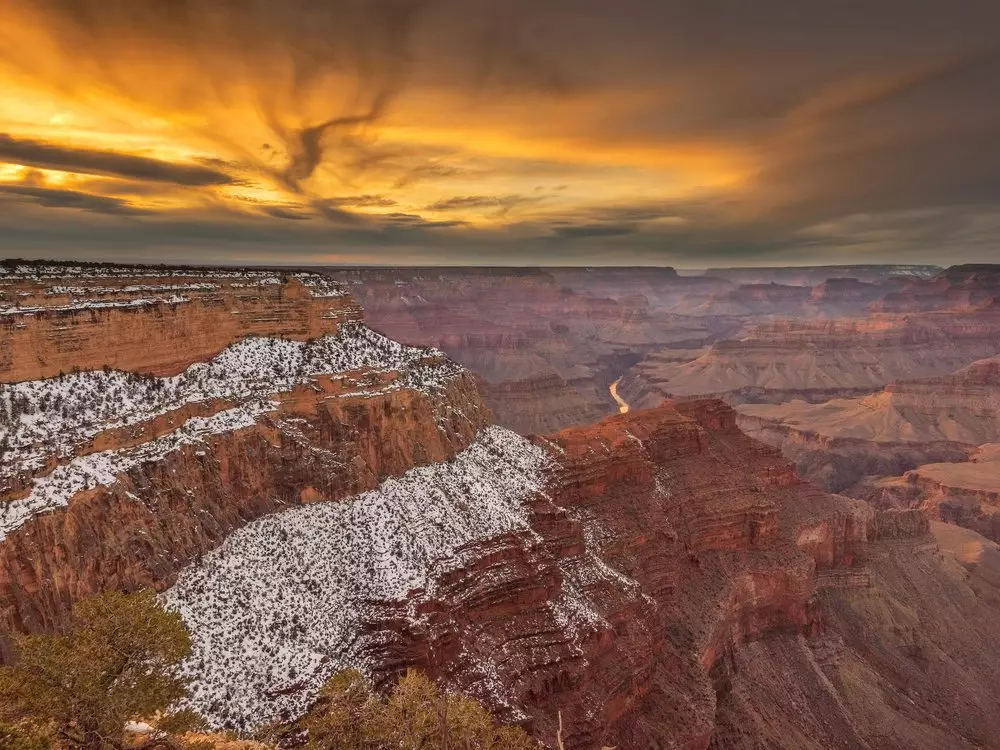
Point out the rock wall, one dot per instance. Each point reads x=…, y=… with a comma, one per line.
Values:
x=658, y=579
x=156, y=322
x=910, y=423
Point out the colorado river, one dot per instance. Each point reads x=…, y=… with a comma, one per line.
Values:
x=622, y=403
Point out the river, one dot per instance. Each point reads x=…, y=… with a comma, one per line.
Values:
x=622, y=403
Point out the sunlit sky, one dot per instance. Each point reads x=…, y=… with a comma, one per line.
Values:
x=551, y=131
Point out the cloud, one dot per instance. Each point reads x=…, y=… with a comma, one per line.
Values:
x=503, y=203
x=331, y=211
x=280, y=212
x=363, y=201
x=674, y=130
x=73, y=199
x=584, y=231
x=31, y=153
x=414, y=221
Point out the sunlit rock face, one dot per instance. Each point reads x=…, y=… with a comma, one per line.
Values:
x=910, y=422
x=132, y=474
x=314, y=495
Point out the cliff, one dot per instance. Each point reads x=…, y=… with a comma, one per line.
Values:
x=659, y=578
x=909, y=423
x=113, y=478
x=602, y=573
x=60, y=318
x=819, y=360
x=966, y=494
x=546, y=342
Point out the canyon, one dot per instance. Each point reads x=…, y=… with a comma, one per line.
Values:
x=596, y=495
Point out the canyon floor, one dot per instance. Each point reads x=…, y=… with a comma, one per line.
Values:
x=739, y=508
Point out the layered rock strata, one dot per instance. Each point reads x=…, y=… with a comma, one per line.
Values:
x=816, y=361
x=118, y=479
x=909, y=423
x=56, y=319
x=658, y=579
x=966, y=494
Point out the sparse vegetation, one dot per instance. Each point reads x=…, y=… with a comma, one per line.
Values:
x=415, y=716
x=79, y=689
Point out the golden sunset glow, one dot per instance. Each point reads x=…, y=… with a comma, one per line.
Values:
x=411, y=124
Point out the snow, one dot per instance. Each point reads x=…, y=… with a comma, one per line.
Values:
x=284, y=601
x=173, y=299
x=290, y=599
x=83, y=291
x=43, y=271
x=55, y=489
x=55, y=416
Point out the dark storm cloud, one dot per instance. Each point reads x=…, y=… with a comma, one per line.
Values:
x=583, y=231
x=500, y=203
x=363, y=201
x=72, y=199
x=353, y=57
x=414, y=221
x=88, y=161
x=332, y=212
x=278, y=212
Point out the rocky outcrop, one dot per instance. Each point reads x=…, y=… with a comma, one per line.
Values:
x=819, y=360
x=602, y=573
x=546, y=342
x=909, y=423
x=966, y=494
x=113, y=479
x=907, y=661
x=159, y=515
x=155, y=321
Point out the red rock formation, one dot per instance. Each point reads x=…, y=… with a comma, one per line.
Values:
x=151, y=324
x=966, y=493
x=911, y=422
x=547, y=342
x=162, y=515
x=819, y=360
x=715, y=544
x=668, y=582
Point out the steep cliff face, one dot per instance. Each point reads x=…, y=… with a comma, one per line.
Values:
x=602, y=573
x=819, y=360
x=114, y=479
x=907, y=661
x=909, y=423
x=59, y=318
x=966, y=494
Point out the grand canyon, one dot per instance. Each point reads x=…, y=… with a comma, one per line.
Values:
x=499, y=375
x=620, y=507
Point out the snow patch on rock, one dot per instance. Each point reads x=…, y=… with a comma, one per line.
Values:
x=39, y=418
x=54, y=490
x=283, y=603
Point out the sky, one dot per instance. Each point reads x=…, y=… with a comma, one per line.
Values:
x=514, y=132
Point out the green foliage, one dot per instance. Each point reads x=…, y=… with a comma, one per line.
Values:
x=415, y=716
x=114, y=665
x=25, y=736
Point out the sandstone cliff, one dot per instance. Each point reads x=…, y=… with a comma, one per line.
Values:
x=659, y=578
x=117, y=479
x=909, y=423
x=966, y=494
x=819, y=360
x=59, y=318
